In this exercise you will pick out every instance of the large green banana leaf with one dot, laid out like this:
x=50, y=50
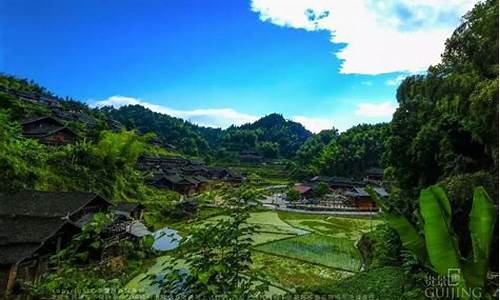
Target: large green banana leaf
x=442, y=246
x=482, y=220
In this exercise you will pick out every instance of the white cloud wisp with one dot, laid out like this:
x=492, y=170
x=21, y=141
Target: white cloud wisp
x=211, y=117
x=381, y=36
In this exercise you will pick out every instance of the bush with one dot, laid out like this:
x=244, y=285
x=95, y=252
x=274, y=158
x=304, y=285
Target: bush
x=293, y=195
x=321, y=189
x=380, y=247
x=380, y=283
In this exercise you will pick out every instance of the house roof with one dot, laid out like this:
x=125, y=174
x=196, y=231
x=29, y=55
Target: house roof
x=375, y=171
x=201, y=178
x=47, y=131
x=21, y=236
x=45, y=204
x=128, y=207
x=357, y=192
x=302, y=188
x=381, y=191
x=37, y=119
x=137, y=229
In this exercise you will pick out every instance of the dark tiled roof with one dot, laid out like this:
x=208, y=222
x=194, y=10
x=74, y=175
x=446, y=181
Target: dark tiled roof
x=21, y=236
x=201, y=178
x=375, y=171
x=11, y=254
x=48, y=130
x=27, y=229
x=45, y=118
x=46, y=204
x=128, y=207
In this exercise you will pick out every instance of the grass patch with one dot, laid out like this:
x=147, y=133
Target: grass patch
x=292, y=274
x=322, y=250
x=387, y=283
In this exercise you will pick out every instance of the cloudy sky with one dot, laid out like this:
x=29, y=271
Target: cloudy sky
x=322, y=63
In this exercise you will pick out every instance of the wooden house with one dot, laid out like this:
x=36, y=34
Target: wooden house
x=35, y=225
x=333, y=182
x=362, y=200
x=304, y=190
x=48, y=130
x=374, y=175
x=131, y=210
x=175, y=182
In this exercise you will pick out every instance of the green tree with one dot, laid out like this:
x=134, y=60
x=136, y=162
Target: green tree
x=21, y=160
x=217, y=262
x=321, y=189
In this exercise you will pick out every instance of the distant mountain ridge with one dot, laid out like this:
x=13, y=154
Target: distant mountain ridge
x=271, y=136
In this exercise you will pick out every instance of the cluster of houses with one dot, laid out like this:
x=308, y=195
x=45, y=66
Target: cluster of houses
x=53, y=104
x=183, y=175
x=57, y=114
x=35, y=225
x=346, y=192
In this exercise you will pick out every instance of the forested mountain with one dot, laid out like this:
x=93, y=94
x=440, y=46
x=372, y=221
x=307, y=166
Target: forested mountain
x=188, y=138
x=347, y=154
x=271, y=135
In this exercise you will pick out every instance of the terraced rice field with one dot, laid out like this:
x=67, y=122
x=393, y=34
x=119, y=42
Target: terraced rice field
x=337, y=253
x=290, y=273
x=295, y=250
x=338, y=227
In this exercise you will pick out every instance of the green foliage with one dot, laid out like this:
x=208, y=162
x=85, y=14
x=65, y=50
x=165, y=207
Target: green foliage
x=388, y=282
x=75, y=271
x=188, y=138
x=321, y=189
x=447, y=121
x=439, y=239
x=268, y=149
x=26, y=85
x=293, y=195
x=108, y=167
x=272, y=136
x=217, y=261
x=349, y=154
x=21, y=160
x=380, y=247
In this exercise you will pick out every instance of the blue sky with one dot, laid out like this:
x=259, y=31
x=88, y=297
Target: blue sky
x=323, y=63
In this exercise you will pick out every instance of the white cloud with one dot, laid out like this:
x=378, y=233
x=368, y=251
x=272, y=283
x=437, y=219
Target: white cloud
x=211, y=117
x=375, y=110
x=314, y=124
x=382, y=36
x=367, y=83
x=395, y=81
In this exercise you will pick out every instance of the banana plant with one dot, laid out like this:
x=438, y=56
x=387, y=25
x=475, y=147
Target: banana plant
x=438, y=245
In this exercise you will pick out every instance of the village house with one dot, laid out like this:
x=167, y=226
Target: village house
x=175, y=182
x=130, y=210
x=334, y=183
x=48, y=130
x=304, y=190
x=35, y=225
x=361, y=198
x=374, y=175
